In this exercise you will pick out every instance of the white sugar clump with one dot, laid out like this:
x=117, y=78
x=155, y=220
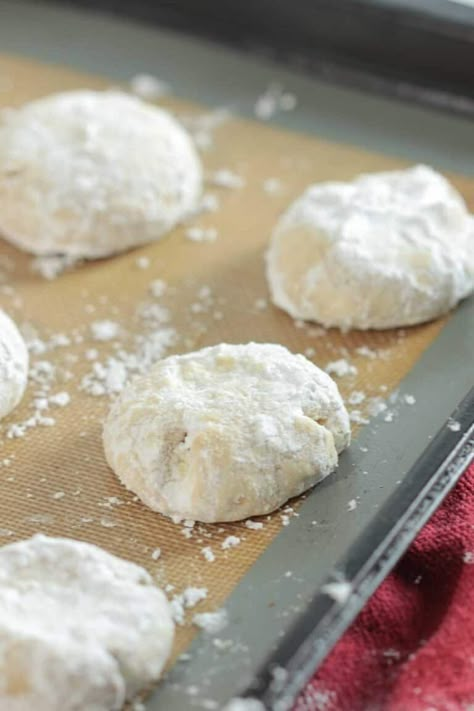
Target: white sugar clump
x=201, y=234
x=273, y=100
x=454, y=425
x=225, y=178
x=148, y=87
x=91, y=173
x=110, y=376
x=104, y=330
x=230, y=542
x=253, y=525
x=211, y=622
x=208, y=554
x=340, y=368
x=339, y=590
x=158, y=288
x=189, y=598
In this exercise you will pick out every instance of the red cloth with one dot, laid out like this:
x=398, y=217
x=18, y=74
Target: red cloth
x=412, y=646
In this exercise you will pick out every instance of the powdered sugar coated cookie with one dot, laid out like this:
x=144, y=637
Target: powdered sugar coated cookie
x=227, y=432
x=79, y=628
x=90, y=173
x=388, y=249
x=13, y=365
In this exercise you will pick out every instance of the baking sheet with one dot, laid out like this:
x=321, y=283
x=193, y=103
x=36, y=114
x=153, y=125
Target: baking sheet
x=67, y=460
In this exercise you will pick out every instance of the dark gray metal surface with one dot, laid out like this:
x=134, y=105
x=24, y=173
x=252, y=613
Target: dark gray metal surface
x=268, y=601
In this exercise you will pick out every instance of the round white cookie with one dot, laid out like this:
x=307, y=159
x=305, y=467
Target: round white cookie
x=79, y=628
x=386, y=250
x=226, y=432
x=13, y=365
x=90, y=173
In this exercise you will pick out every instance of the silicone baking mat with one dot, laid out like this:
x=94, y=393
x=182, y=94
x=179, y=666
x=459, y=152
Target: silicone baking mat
x=54, y=478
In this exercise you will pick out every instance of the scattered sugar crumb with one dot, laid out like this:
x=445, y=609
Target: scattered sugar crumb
x=468, y=557
x=192, y=596
x=351, y=505
x=340, y=591
x=209, y=203
x=230, y=542
x=310, y=352
x=202, y=126
x=158, y=287
x=273, y=100
x=201, y=234
x=453, y=425
x=285, y=519
x=50, y=267
x=366, y=352
x=142, y=262
x=375, y=406
x=104, y=330
x=148, y=87
x=177, y=609
x=60, y=399
x=109, y=377
x=409, y=399
x=107, y=523
x=211, y=622
x=272, y=186
x=253, y=525
x=225, y=178
x=222, y=644
x=356, y=397
x=357, y=417
x=340, y=368
x=156, y=554
x=58, y=495
x=208, y=554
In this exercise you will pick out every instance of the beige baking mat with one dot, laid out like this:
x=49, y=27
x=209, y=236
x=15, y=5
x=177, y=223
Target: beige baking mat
x=54, y=479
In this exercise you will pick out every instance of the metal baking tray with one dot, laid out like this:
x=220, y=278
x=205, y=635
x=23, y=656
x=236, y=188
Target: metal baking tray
x=401, y=472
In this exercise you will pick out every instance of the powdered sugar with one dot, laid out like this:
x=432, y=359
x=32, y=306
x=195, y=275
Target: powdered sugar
x=201, y=234
x=211, y=622
x=230, y=542
x=104, y=330
x=148, y=87
x=341, y=368
x=339, y=590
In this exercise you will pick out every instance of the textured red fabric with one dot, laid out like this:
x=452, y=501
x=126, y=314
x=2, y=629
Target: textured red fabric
x=412, y=646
